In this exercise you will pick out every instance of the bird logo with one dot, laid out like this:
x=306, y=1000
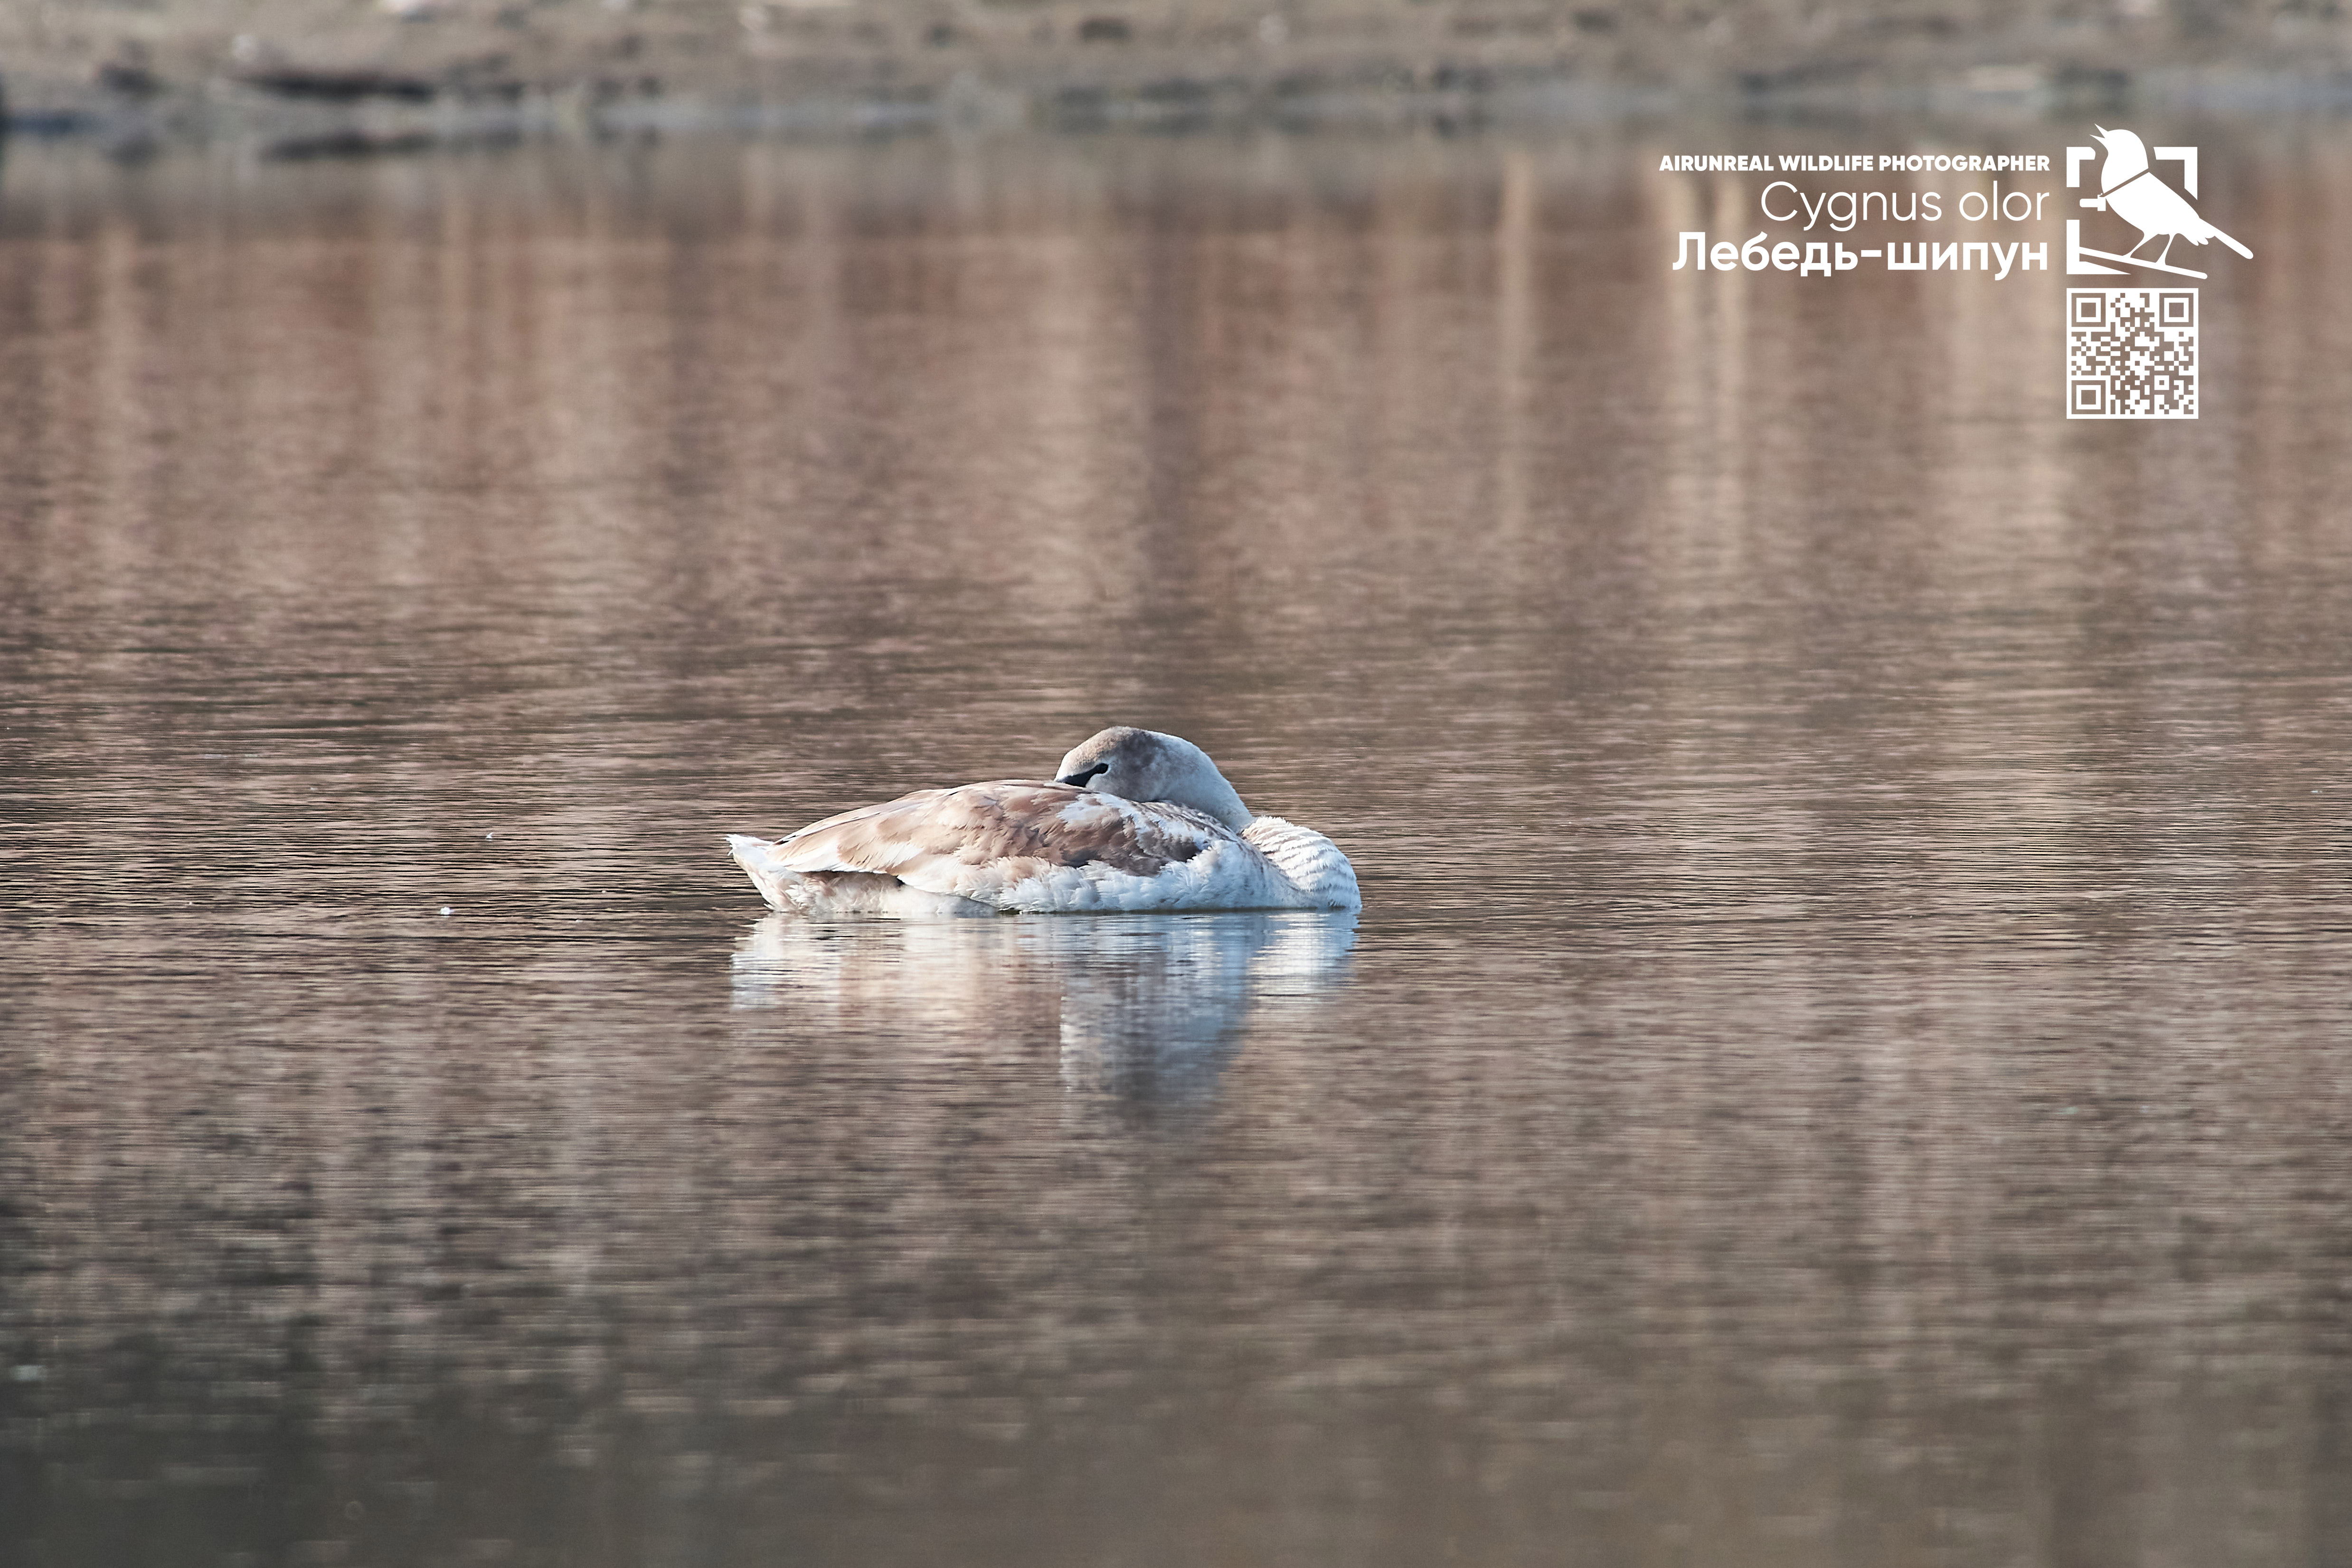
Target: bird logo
x=2133, y=190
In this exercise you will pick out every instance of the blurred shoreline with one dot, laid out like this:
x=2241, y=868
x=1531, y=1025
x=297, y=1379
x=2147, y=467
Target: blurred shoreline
x=303, y=79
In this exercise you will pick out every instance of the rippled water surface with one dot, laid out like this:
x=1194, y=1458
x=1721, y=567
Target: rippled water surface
x=1846, y=1057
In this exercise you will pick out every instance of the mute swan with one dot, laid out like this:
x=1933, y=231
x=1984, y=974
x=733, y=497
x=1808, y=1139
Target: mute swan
x=1134, y=820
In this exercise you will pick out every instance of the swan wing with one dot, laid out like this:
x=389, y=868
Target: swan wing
x=1015, y=844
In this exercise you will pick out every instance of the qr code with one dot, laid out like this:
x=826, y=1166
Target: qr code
x=2131, y=354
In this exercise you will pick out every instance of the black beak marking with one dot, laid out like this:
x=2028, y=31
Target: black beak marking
x=1080, y=779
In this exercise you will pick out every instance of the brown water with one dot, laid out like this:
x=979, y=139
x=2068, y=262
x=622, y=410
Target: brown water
x=1846, y=1058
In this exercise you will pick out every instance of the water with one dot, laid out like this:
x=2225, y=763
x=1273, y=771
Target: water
x=1846, y=1057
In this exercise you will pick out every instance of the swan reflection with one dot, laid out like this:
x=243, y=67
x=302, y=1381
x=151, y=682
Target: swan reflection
x=1143, y=1007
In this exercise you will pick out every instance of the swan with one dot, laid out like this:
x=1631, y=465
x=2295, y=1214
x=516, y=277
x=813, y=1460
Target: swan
x=1134, y=820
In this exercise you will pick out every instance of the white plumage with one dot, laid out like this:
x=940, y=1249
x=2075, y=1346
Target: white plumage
x=1135, y=820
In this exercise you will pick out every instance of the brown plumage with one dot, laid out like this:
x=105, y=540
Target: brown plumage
x=1030, y=827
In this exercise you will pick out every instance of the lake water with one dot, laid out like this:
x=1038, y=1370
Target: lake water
x=1846, y=1057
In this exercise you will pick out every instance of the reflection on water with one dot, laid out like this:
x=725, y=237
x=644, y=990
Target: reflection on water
x=1149, y=1008
x=1843, y=1060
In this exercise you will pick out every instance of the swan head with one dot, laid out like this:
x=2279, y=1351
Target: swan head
x=1144, y=764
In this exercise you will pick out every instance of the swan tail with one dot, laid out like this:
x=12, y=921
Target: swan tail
x=826, y=894
x=783, y=887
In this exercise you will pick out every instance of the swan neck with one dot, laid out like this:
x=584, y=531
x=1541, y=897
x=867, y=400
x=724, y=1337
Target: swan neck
x=1230, y=810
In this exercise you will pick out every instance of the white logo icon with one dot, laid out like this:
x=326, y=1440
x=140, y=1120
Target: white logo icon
x=2134, y=192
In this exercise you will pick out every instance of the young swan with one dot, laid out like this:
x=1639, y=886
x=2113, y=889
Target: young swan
x=1136, y=820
